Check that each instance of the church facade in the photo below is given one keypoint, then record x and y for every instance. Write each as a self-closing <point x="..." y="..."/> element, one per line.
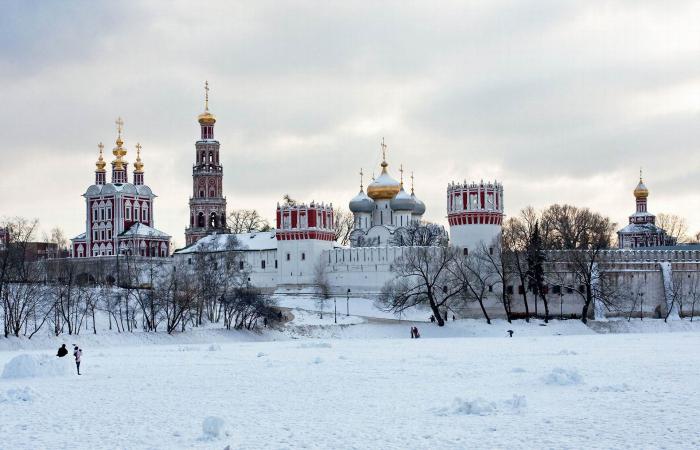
<point x="119" y="215"/>
<point x="642" y="230"/>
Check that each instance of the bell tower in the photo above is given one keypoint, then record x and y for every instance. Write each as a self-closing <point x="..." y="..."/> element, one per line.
<point x="207" y="204"/>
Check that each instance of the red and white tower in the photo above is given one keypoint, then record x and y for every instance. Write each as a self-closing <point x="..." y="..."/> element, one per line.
<point x="207" y="204"/>
<point x="475" y="214"/>
<point x="303" y="233"/>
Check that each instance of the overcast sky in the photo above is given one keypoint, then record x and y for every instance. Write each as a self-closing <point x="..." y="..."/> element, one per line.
<point x="561" y="101"/>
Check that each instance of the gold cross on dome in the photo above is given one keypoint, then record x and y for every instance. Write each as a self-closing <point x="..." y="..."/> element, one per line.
<point x="411" y="182"/>
<point x="383" y="145"/>
<point x="206" y="95"/>
<point x="361" y="174"/>
<point x="401" y="170"/>
<point x="101" y="147"/>
<point x="120" y="124"/>
<point x="138" y="148"/>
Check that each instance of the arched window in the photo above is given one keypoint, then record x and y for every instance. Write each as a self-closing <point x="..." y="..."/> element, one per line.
<point x="203" y="158"/>
<point x="145" y="218"/>
<point x="200" y="220"/>
<point x="127" y="210"/>
<point x="191" y="220"/>
<point x="137" y="212"/>
<point x="201" y="192"/>
<point x="222" y="220"/>
<point x="213" y="220"/>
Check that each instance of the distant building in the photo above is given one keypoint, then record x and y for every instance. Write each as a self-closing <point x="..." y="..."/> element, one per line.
<point x="642" y="230"/>
<point x="119" y="215"/>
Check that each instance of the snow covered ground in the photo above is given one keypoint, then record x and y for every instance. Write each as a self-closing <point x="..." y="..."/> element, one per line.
<point x="559" y="386"/>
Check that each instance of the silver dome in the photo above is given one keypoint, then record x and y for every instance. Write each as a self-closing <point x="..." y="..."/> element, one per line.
<point x="361" y="203"/>
<point x="402" y="202"/>
<point x="419" y="209"/>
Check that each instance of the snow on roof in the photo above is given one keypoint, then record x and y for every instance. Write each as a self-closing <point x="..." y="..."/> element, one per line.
<point x="641" y="228"/>
<point x="254" y="241"/>
<point x="80" y="237"/>
<point x="109" y="188"/>
<point x="141" y="230"/>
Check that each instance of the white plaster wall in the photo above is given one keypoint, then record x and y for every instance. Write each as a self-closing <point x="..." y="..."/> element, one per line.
<point x="470" y="236"/>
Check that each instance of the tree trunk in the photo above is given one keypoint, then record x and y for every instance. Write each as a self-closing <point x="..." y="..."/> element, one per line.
<point x="546" y="308"/>
<point x="436" y="312"/>
<point x="483" y="310"/>
<point x="506" y="306"/>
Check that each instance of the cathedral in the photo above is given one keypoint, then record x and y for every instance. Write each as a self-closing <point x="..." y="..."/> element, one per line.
<point x="385" y="211"/>
<point x="119" y="214"/>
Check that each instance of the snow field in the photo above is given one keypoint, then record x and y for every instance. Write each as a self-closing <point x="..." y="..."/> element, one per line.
<point x="541" y="391"/>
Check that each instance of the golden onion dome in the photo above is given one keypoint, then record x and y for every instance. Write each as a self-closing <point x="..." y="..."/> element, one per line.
<point x="138" y="164"/>
<point x="384" y="187"/>
<point x="100" y="164"/>
<point x="206" y="118"/>
<point x="641" y="190"/>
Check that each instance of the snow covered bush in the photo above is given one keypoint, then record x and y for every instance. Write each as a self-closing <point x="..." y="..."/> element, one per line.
<point x="31" y="366"/>
<point x="563" y="377"/>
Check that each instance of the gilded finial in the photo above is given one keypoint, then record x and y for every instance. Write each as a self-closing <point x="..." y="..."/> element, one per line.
<point x="401" y="177"/>
<point x="411" y="182"/>
<point x="120" y="124"/>
<point x="640" y="174"/>
<point x="206" y="95"/>
<point x="384" y="164"/>
<point x="361" y="174"/>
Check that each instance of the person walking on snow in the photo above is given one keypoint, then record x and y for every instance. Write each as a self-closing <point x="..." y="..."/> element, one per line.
<point x="63" y="351"/>
<point x="77" y="353"/>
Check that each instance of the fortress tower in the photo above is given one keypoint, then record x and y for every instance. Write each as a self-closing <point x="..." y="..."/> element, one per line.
<point x="303" y="233"/>
<point x="475" y="214"/>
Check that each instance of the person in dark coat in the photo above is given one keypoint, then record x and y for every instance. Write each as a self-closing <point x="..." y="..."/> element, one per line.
<point x="413" y="335"/>
<point x="265" y="321"/>
<point x="432" y="318"/>
<point x="415" y="331"/>
<point x="510" y="332"/>
<point x="63" y="351"/>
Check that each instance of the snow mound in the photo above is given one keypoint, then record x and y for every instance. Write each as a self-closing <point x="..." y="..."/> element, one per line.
<point x="30" y="366"/>
<point x="518" y="370"/>
<point x="261" y="354"/>
<point x="25" y="394"/>
<point x="567" y="352"/>
<point x="624" y="387"/>
<point x="482" y="407"/>
<point x="475" y="407"/>
<point x="563" y="377"/>
<point x="315" y="345"/>
<point x="187" y="348"/>
<point x="214" y="348"/>
<point x="317" y="360"/>
<point x="212" y="427"/>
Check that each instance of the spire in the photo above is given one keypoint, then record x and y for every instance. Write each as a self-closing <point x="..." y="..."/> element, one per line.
<point x="206" y="118"/>
<point x="206" y="95"/>
<point x="401" y="177"/>
<point x="411" y="182"/>
<point x="361" y="174"/>
<point x="384" y="163"/>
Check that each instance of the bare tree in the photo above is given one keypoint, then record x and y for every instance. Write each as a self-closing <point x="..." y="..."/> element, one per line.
<point x="497" y="262"/>
<point x="581" y="236"/>
<point x="422" y="277"/>
<point x="322" y="286"/>
<point x="674" y="225"/>
<point x="420" y="234"/>
<point x="344" y="224"/>
<point x="515" y="241"/>
<point x="693" y="292"/>
<point x="288" y="200"/>
<point x="474" y="277"/>
<point x="247" y="221"/>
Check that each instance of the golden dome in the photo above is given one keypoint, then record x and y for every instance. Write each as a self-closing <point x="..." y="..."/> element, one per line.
<point x="100" y="164"/>
<point x="206" y="118"/>
<point x="384" y="187"/>
<point x="641" y="190"/>
<point x="138" y="164"/>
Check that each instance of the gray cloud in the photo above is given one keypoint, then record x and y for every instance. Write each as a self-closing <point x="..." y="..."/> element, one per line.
<point x="562" y="101"/>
